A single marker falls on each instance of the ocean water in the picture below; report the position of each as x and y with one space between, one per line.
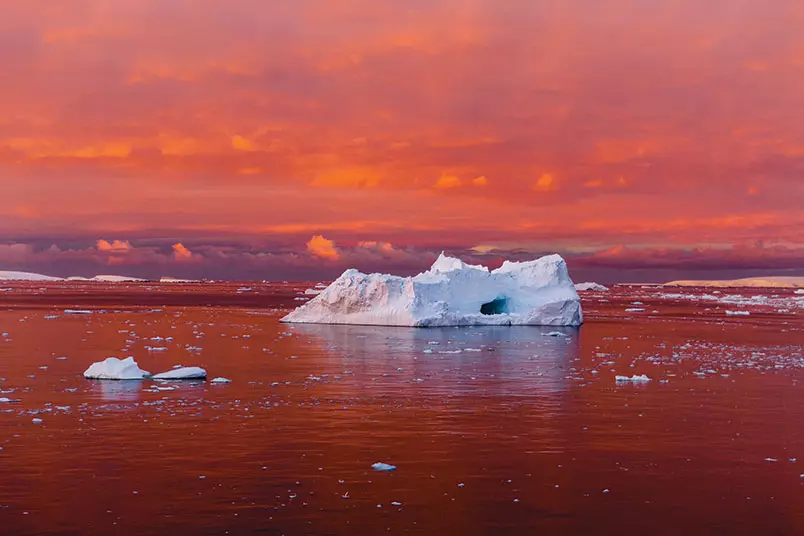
495 430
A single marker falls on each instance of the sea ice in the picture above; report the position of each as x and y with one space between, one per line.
380 466
116 369
591 287
451 293
221 380
634 378
182 373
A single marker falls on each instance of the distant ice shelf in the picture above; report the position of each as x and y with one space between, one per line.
451 293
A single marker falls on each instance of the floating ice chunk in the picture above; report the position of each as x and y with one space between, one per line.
221 380
451 293
554 334
115 369
182 373
77 312
380 466
635 310
313 291
591 287
634 378
738 313
4 400
36 420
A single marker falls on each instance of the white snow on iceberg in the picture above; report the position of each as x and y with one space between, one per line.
112 368
182 373
451 293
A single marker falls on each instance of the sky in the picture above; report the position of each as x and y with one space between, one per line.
643 140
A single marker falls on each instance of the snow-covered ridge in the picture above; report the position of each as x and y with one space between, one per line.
769 282
25 276
30 276
451 293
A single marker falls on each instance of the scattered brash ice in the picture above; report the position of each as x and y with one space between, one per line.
451 293
112 368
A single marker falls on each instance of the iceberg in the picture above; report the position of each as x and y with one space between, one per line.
450 293
182 373
26 276
591 287
772 281
112 368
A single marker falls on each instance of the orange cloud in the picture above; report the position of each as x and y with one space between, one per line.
181 253
546 183
448 181
116 246
321 247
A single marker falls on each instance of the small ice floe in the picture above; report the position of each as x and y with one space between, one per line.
182 373
738 313
635 310
554 334
5 400
156 348
77 312
384 467
112 368
633 379
36 420
220 380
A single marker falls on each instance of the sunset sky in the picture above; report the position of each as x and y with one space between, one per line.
641 139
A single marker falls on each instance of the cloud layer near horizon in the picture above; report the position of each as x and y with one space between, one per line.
666 131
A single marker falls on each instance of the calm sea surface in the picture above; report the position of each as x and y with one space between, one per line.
493 430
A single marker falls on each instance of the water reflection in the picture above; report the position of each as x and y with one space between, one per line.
117 391
515 358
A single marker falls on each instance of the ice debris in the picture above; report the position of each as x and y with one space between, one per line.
634 378
183 373
380 466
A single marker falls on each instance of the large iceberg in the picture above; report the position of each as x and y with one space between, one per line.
451 293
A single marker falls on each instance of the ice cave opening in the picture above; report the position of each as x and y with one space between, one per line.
496 306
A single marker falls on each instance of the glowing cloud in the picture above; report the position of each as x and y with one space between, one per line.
545 183
321 247
116 246
181 253
447 181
